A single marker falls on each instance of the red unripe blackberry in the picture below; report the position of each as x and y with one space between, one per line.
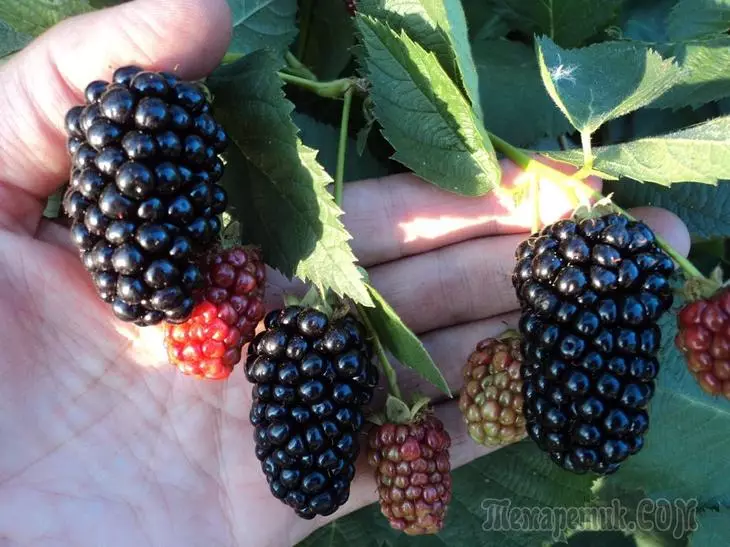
351 6
142 194
413 474
311 376
208 345
591 294
704 339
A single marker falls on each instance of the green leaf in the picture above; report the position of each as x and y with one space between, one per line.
329 38
439 27
11 40
324 137
259 24
704 209
604 81
277 188
567 22
697 154
515 103
713 529
513 477
704 73
698 19
646 21
399 340
32 17
687 442
424 116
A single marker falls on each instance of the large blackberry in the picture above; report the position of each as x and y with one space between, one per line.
311 377
143 196
591 294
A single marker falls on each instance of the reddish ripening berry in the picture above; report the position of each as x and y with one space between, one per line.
208 345
491 400
351 6
704 339
413 474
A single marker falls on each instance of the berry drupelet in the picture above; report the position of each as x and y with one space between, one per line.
704 339
208 345
311 376
591 294
142 194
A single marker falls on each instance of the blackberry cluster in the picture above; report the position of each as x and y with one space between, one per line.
311 377
413 474
208 345
704 340
491 400
143 196
591 294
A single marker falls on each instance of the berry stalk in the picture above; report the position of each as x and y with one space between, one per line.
342 147
532 165
339 184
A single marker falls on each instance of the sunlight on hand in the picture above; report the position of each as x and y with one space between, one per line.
555 203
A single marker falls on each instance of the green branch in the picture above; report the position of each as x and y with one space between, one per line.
342 147
339 185
334 89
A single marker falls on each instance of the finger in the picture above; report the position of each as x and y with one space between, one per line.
471 280
42 82
402 215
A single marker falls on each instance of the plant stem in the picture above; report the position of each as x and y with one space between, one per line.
585 140
298 68
342 147
333 89
530 164
390 374
385 365
231 58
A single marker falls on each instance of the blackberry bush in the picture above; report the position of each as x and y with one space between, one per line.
142 196
311 376
591 294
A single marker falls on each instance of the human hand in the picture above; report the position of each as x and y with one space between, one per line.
104 443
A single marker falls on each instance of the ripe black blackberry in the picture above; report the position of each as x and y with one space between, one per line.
591 294
311 375
143 196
